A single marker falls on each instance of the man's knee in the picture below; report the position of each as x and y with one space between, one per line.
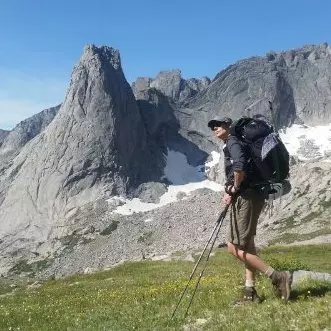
232 249
237 251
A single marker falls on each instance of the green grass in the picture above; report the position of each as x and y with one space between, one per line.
142 296
308 257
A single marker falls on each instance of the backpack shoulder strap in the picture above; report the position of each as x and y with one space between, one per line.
238 126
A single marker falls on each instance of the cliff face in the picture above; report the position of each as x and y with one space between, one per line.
296 81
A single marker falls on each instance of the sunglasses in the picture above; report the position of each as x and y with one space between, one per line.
223 126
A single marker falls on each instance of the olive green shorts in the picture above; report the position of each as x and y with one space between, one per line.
246 208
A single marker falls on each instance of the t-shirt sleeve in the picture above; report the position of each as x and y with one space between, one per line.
237 154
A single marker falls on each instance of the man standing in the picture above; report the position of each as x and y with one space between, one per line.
246 206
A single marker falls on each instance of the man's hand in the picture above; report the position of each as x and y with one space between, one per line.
227 199
231 190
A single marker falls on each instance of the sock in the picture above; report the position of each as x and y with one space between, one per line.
269 271
249 283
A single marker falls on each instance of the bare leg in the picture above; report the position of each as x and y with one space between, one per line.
252 261
250 271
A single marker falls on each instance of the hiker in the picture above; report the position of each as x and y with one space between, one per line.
246 205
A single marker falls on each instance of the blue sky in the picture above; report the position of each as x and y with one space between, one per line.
41 40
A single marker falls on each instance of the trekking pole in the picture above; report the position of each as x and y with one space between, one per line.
207 259
216 227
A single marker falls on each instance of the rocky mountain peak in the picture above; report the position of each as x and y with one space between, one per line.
308 52
102 54
95 146
171 84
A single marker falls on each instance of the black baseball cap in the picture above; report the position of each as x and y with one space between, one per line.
217 121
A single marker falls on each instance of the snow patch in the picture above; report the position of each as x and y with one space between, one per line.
184 178
215 159
294 136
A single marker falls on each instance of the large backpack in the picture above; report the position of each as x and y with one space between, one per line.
267 151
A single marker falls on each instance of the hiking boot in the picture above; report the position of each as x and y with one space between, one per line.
282 280
248 295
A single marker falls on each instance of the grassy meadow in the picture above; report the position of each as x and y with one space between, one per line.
142 296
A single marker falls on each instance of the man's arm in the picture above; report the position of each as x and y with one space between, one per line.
239 176
237 154
232 189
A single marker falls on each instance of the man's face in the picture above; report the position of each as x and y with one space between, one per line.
221 131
